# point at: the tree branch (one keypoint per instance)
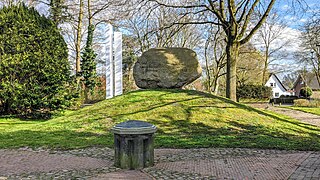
(178, 6)
(247, 18)
(259, 24)
(231, 8)
(243, 12)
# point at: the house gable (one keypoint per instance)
(300, 83)
(278, 88)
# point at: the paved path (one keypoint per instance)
(299, 115)
(206, 163)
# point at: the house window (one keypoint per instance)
(276, 94)
(273, 85)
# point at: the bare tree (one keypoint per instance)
(78, 39)
(215, 58)
(311, 43)
(75, 29)
(147, 24)
(271, 33)
(145, 29)
(236, 19)
(250, 65)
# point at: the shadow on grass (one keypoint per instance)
(242, 106)
(54, 140)
(183, 134)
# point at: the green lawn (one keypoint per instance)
(185, 119)
(312, 110)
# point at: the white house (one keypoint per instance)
(278, 88)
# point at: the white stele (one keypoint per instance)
(113, 63)
(118, 63)
(109, 62)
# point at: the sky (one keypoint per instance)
(300, 17)
(292, 32)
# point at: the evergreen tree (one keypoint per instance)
(34, 67)
(58, 11)
(88, 64)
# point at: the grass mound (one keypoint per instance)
(185, 119)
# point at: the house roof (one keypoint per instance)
(278, 81)
(312, 82)
(298, 81)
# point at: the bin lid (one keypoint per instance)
(134, 127)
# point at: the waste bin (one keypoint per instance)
(134, 144)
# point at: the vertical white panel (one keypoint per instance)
(109, 62)
(100, 46)
(118, 63)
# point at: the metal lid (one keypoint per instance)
(134, 127)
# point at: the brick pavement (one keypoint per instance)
(280, 167)
(26, 161)
(308, 169)
(232, 164)
(205, 163)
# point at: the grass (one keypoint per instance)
(312, 110)
(185, 119)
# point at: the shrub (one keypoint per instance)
(315, 103)
(254, 91)
(306, 92)
(301, 102)
(306, 103)
(34, 69)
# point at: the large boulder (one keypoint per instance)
(166, 68)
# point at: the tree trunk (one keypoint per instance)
(78, 41)
(232, 51)
(208, 77)
(216, 84)
(318, 68)
(207, 68)
(317, 73)
(86, 95)
(7, 107)
(89, 14)
(265, 68)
